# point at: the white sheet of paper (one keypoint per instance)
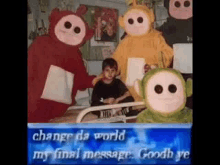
(183, 57)
(135, 70)
(58, 86)
(82, 94)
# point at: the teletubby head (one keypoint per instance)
(69, 27)
(163, 89)
(138, 20)
(179, 9)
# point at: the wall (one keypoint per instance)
(160, 13)
(38, 15)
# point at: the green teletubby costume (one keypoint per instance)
(164, 92)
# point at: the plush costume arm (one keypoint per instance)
(34, 75)
(81, 73)
(189, 87)
(189, 116)
(96, 98)
(183, 116)
(31, 55)
(32, 58)
(167, 51)
(143, 117)
(119, 56)
(32, 63)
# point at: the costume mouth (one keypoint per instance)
(67, 33)
(62, 31)
(168, 100)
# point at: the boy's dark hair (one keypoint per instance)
(109, 62)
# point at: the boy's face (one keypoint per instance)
(109, 73)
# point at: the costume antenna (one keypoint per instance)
(134, 3)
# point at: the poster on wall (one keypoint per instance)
(65, 4)
(107, 52)
(43, 5)
(106, 24)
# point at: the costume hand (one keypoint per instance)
(146, 68)
(153, 66)
(97, 78)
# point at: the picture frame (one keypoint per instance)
(105, 24)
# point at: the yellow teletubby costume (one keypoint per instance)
(142, 42)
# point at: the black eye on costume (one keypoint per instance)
(172, 88)
(130, 21)
(77, 29)
(158, 89)
(177, 4)
(140, 19)
(67, 25)
(186, 3)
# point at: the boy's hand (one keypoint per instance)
(116, 101)
(109, 100)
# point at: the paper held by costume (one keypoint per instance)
(183, 57)
(135, 70)
(58, 86)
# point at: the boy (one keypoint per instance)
(110, 90)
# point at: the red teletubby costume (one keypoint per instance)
(55, 66)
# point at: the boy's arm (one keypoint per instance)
(100, 101)
(119, 55)
(84, 80)
(124, 92)
(110, 100)
(96, 98)
(122, 97)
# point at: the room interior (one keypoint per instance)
(94, 51)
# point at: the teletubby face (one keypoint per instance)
(136, 22)
(181, 9)
(70, 30)
(164, 92)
